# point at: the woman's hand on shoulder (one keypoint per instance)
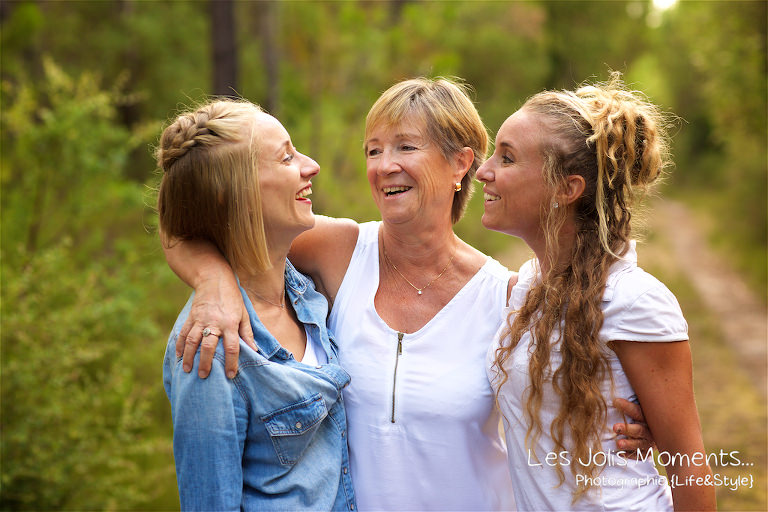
(217, 306)
(324, 252)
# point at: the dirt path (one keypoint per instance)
(740, 314)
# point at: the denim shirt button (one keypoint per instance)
(345, 471)
(298, 424)
(318, 367)
(352, 507)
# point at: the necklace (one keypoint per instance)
(418, 290)
(280, 305)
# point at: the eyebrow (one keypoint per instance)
(285, 145)
(507, 145)
(401, 135)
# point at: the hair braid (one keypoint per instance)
(210, 188)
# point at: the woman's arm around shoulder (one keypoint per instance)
(217, 305)
(324, 252)
(662, 376)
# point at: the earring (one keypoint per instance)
(556, 205)
(457, 186)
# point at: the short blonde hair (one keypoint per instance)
(451, 120)
(210, 187)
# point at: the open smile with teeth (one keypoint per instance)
(490, 197)
(390, 191)
(304, 192)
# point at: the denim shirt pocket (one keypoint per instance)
(293, 427)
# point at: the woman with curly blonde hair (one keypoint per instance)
(585, 324)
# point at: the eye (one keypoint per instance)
(287, 158)
(506, 159)
(407, 147)
(373, 152)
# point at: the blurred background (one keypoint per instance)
(88, 301)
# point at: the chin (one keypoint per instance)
(490, 223)
(308, 223)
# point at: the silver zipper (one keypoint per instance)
(394, 377)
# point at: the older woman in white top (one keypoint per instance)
(414, 310)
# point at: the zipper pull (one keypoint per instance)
(394, 373)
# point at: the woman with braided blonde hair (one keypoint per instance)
(273, 436)
(585, 324)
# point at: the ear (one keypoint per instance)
(573, 188)
(463, 159)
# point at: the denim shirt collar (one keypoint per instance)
(296, 286)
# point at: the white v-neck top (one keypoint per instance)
(423, 429)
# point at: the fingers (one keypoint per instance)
(245, 330)
(629, 409)
(231, 352)
(181, 340)
(207, 350)
(189, 344)
(638, 438)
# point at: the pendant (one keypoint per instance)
(419, 292)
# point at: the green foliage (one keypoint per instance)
(75, 404)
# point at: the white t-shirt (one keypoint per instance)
(636, 307)
(313, 353)
(423, 429)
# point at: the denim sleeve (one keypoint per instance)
(210, 421)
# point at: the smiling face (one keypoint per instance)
(408, 174)
(284, 180)
(514, 187)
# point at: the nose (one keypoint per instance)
(387, 164)
(484, 173)
(309, 167)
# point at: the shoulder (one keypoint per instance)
(639, 307)
(343, 232)
(328, 233)
(324, 252)
(633, 286)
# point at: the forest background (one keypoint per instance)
(88, 301)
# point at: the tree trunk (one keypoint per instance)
(270, 54)
(223, 47)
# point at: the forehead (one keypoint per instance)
(408, 126)
(523, 128)
(268, 132)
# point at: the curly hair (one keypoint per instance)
(616, 140)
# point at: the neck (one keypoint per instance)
(427, 245)
(269, 284)
(565, 242)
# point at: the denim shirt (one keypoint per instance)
(272, 438)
